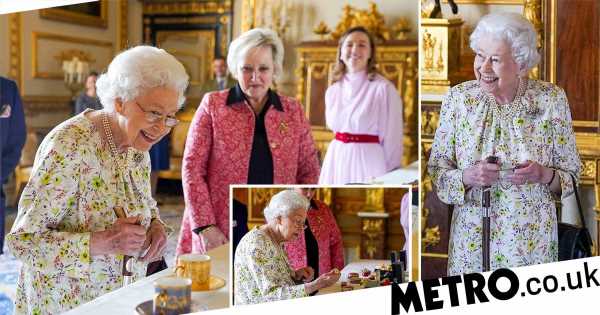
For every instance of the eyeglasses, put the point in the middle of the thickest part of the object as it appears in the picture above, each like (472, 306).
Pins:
(300, 224)
(155, 117)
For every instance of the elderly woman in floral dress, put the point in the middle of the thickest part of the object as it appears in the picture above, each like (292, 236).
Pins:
(247, 134)
(262, 272)
(67, 233)
(527, 125)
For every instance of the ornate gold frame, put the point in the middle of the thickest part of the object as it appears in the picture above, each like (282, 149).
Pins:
(14, 27)
(207, 35)
(214, 6)
(35, 36)
(63, 15)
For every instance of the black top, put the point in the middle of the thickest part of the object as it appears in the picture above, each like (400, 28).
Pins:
(240, 217)
(312, 247)
(260, 170)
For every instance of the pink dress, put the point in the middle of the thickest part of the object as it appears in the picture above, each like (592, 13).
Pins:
(217, 154)
(329, 239)
(358, 106)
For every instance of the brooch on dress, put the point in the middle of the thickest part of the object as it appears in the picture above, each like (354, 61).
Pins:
(283, 128)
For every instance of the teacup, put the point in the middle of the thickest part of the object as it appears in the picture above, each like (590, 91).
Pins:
(172, 296)
(197, 268)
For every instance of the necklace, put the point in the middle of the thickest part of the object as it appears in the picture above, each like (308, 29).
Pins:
(109, 135)
(512, 109)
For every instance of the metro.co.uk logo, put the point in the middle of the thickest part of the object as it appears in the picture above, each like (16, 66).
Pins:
(500, 285)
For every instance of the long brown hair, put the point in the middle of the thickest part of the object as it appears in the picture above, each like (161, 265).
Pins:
(340, 68)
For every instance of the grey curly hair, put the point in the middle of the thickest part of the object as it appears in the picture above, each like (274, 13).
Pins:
(283, 203)
(138, 69)
(516, 30)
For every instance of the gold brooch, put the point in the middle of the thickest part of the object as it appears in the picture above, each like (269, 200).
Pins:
(283, 128)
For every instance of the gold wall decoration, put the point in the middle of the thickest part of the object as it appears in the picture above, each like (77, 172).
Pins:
(532, 10)
(122, 34)
(35, 49)
(14, 27)
(374, 200)
(186, 20)
(370, 18)
(373, 235)
(402, 29)
(440, 48)
(194, 49)
(248, 9)
(224, 20)
(204, 7)
(90, 14)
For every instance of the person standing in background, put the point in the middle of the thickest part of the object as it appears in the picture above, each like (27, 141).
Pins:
(12, 138)
(222, 80)
(88, 98)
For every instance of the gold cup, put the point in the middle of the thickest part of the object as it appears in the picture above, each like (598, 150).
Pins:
(195, 267)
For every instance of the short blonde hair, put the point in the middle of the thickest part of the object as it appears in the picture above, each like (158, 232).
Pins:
(257, 37)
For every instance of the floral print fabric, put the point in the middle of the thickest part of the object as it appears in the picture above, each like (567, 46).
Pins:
(75, 184)
(536, 126)
(262, 272)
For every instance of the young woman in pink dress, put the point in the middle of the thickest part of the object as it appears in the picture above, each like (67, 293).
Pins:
(364, 110)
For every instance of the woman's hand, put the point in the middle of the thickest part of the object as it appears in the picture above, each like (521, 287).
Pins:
(325, 280)
(530, 172)
(125, 237)
(305, 274)
(156, 242)
(481, 174)
(212, 237)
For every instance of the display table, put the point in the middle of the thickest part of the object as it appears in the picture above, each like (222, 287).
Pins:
(401, 176)
(125, 300)
(356, 266)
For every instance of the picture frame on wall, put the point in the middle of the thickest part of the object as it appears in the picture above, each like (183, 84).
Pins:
(94, 14)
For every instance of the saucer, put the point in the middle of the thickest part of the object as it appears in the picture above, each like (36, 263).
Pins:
(214, 283)
(145, 308)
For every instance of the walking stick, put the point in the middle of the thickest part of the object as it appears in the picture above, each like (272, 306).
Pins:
(126, 269)
(485, 203)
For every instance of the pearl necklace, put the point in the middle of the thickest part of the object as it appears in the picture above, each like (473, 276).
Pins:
(109, 135)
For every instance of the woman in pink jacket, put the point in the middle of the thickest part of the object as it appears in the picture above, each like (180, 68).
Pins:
(320, 246)
(247, 134)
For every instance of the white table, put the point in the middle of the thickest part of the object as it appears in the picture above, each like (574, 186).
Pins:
(124, 300)
(400, 176)
(356, 266)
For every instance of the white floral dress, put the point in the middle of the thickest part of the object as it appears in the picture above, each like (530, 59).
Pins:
(262, 272)
(75, 184)
(536, 126)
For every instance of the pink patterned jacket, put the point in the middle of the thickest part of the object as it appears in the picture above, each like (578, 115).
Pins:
(217, 154)
(329, 239)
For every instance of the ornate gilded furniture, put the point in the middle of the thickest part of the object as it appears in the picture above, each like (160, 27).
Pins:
(397, 61)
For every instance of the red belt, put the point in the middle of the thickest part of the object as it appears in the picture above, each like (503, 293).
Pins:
(350, 137)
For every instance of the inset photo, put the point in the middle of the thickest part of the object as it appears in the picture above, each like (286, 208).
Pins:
(298, 241)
